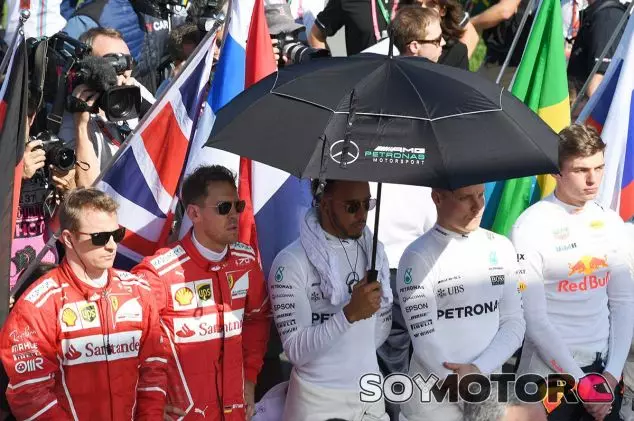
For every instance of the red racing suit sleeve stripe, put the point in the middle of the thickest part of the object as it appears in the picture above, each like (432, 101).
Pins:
(29, 356)
(256, 325)
(152, 386)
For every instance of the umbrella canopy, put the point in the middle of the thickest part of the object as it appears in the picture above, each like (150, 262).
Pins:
(398, 120)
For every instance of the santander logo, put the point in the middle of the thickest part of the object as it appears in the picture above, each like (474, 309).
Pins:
(72, 353)
(185, 332)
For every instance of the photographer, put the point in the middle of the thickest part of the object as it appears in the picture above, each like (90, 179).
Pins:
(286, 34)
(42, 186)
(143, 25)
(94, 138)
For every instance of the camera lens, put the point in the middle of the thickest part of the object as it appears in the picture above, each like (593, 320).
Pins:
(121, 103)
(120, 107)
(66, 159)
(61, 157)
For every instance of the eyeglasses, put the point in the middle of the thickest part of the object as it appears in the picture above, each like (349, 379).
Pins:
(101, 238)
(225, 207)
(353, 206)
(435, 41)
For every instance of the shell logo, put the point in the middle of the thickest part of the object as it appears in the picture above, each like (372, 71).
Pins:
(184, 296)
(69, 317)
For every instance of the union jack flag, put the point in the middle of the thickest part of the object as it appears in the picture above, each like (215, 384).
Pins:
(146, 173)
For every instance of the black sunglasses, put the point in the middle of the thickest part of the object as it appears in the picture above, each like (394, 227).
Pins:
(102, 238)
(436, 41)
(353, 206)
(225, 207)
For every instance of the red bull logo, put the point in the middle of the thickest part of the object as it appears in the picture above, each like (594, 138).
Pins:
(589, 282)
(587, 265)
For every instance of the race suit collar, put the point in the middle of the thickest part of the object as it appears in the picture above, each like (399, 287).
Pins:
(568, 208)
(208, 254)
(448, 234)
(200, 260)
(87, 290)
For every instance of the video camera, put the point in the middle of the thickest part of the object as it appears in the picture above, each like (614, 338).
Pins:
(61, 63)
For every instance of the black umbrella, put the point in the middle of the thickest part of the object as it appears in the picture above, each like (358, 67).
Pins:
(399, 120)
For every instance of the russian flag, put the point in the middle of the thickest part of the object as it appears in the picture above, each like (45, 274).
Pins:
(611, 111)
(146, 173)
(275, 199)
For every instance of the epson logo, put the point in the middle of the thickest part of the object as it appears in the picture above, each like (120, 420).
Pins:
(285, 306)
(422, 306)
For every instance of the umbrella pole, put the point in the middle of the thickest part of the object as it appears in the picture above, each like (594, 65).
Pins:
(373, 273)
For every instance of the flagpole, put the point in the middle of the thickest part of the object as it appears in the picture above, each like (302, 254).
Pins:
(25, 14)
(51, 242)
(599, 61)
(516, 39)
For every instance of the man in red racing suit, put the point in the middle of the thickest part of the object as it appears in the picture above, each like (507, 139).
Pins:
(73, 351)
(213, 305)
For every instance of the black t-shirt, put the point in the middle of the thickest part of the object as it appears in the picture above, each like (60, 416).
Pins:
(356, 16)
(455, 54)
(597, 25)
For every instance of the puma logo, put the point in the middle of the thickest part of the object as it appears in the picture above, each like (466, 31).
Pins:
(200, 411)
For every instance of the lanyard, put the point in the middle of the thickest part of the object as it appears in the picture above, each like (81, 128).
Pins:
(386, 16)
(106, 131)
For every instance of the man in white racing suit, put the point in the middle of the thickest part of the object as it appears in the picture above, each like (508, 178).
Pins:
(329, 317)
(457, 287)
(578, 294)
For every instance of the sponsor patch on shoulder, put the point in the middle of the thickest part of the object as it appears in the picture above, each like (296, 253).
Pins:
(44, 287)
(124, 276)
(242, 247)
(160, 261)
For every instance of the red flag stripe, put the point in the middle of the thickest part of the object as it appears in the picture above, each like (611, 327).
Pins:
(168, 157)
(259, 64)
